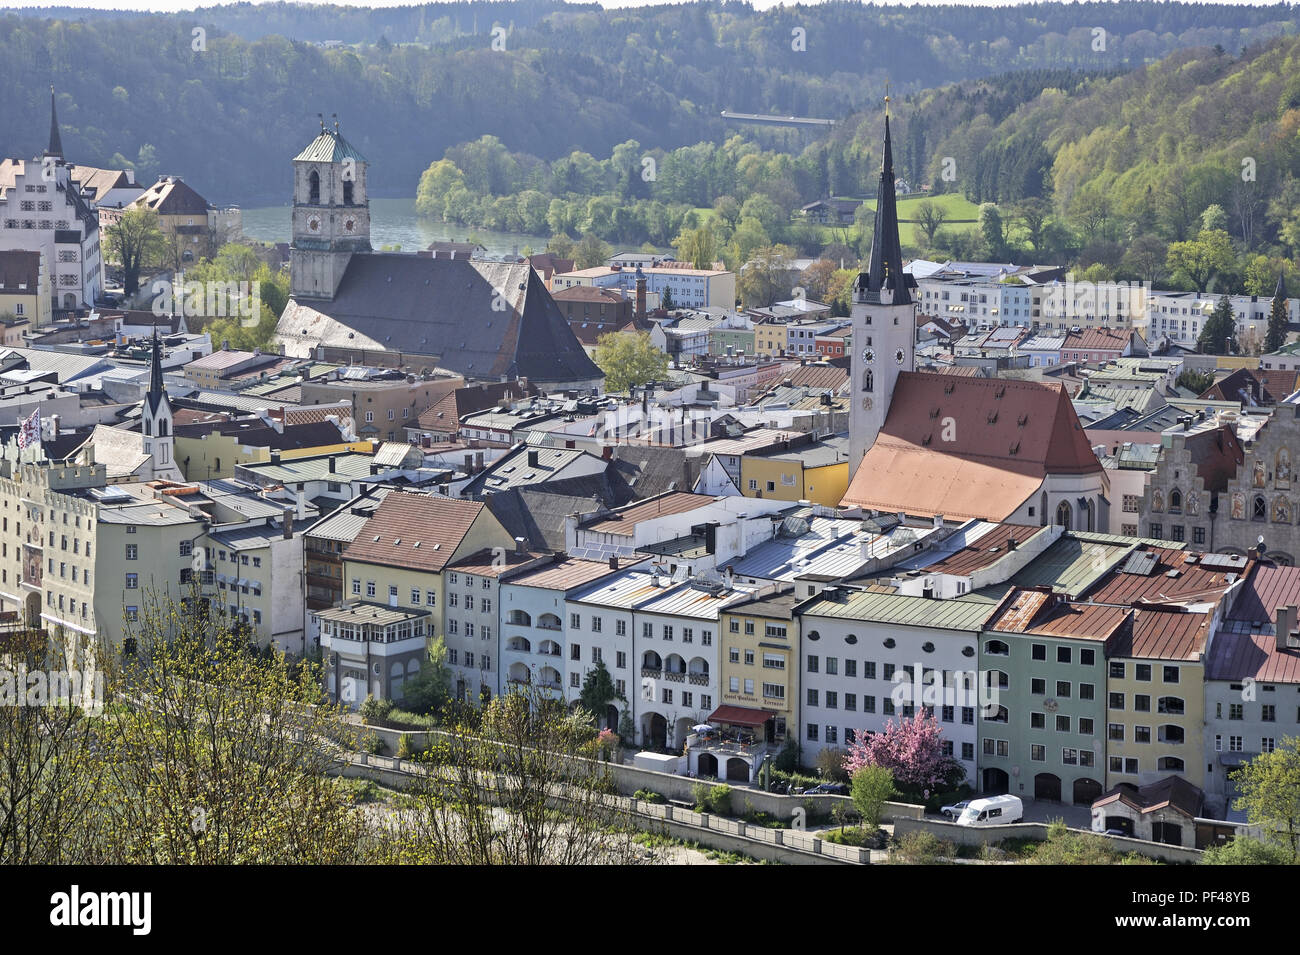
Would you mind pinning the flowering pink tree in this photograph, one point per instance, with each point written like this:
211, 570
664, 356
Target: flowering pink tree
911, 748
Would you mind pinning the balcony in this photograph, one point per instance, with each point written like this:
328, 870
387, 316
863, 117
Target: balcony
675, 677
698, 679
651, 671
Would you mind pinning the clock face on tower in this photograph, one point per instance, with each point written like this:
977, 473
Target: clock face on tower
868, 355
313, 223
349, 224
899, 356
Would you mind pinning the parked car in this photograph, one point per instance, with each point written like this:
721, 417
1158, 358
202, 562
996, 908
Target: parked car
1116, 832
955, 809
828, 789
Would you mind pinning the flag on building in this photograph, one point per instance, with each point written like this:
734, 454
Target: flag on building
30, 432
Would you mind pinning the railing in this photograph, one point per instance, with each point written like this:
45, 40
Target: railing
725, 746
698, 679
675, 676
651, 671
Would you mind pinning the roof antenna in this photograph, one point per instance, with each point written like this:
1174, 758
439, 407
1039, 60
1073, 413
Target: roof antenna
336, 121
321, 117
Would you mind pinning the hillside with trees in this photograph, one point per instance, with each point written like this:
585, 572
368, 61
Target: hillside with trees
228, 107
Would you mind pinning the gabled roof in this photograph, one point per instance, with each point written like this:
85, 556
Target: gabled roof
170, 196
1007, 436
415, 531
1040, 613
624, 520
1246, 386
1167, 575
485, 320
1171, 792
20, 271
1162, 633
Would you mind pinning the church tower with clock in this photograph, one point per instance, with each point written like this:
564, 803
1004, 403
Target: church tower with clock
884, 320
331, 214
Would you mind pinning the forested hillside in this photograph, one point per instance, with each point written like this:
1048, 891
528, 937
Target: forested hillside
410, 82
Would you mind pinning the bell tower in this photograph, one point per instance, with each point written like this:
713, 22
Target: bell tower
331, 214
884, 319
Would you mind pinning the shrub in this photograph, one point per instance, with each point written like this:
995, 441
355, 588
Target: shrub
372, 744
923, 848
712, 799
994, 854
375, 711
1245, 851
830, 765
404, 750
649, 795
787, 760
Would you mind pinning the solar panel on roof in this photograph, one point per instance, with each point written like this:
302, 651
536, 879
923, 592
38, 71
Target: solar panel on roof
1142, 563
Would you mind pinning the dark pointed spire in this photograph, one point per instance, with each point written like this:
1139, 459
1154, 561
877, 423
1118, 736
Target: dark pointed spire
56, 142
155, 393
1280, 291
885, 265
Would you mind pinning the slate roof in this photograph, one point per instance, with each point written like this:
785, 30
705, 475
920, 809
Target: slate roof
482, 319
20, 268
650, 471
1007, 437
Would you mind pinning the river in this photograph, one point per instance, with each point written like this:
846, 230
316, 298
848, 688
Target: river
394, 222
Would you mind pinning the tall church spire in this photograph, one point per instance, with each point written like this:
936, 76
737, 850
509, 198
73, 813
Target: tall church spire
155, 392
56, 142
885, 266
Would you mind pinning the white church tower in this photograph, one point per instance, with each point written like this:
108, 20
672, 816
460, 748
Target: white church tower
156, 421
331, 214
884, 320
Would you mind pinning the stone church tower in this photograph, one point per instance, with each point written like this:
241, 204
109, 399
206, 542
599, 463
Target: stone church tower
331, 214
884, 319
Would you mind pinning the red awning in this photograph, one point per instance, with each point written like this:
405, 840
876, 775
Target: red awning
739, 716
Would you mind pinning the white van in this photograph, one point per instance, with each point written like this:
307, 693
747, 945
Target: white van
993, 811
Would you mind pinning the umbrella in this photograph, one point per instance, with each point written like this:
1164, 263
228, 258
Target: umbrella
701, 728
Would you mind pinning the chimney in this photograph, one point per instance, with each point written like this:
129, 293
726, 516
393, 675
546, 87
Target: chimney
478, 461
469, 464
1011, 543
1282, 623
302, 503
519, 545
640, 296
331, 471
275, 457
532, 458
54, 426
613, 561
288, 523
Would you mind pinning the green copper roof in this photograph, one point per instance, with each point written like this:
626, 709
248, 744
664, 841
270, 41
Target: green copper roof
329, 146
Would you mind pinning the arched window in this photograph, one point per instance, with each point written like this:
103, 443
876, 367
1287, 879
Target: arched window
1175, 501
1064, 514
1170, 763
313, 182
1260, 509
347, 192
868, 380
